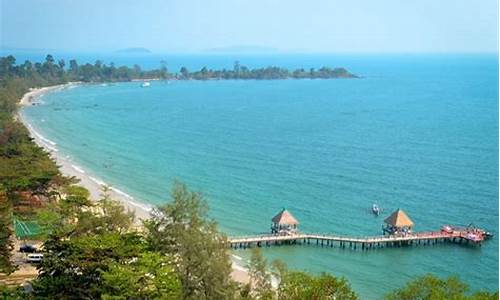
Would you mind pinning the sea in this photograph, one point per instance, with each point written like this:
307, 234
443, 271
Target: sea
417, 132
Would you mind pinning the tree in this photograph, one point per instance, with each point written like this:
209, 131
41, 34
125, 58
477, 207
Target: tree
73, 267
301, 285
181, 228
294, 285
163, 69
48, 66
73, 67
61, 64
259, 276
184, 72
49, 59
430, 287
236, 68
150, 276
113, 216
12, 293
7, 65
6, 244
84, 242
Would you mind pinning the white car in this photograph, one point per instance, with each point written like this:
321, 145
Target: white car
35, 257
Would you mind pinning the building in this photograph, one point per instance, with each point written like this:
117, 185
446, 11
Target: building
398, 223
284, 223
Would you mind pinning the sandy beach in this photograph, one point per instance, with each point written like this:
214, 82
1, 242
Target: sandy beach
68, 167
91, 183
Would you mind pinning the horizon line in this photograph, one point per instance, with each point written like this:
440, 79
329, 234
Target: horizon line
263, 53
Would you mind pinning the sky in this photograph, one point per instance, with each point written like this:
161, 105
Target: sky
322, 26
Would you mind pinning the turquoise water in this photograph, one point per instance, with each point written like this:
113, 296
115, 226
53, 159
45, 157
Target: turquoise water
417, 132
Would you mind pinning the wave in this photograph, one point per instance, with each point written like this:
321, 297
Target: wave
48, 144
79, 169
99, 182
131, 199
41, 137
237, 257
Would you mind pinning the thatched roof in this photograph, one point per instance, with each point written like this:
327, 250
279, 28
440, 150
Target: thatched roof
399, 219
285, 217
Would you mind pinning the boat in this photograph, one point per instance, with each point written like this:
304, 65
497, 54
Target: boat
488, 235
145, 84
375, 209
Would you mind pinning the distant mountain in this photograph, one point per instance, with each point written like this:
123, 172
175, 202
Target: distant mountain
134, 50
243, 49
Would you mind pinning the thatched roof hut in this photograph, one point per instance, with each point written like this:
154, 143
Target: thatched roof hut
284, 217
399, 219
284, 222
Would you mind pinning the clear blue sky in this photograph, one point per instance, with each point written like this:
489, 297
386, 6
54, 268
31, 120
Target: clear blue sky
288, 25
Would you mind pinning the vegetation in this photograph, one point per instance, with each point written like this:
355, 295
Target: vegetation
294, 285
429, 287
6, 245
95, 250
181, 229
242, 72
52, 72
26, 171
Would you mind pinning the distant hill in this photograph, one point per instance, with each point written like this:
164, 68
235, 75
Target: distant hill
243, 49
134, 50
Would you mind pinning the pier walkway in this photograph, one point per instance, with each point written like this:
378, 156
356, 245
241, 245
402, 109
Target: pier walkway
464, 235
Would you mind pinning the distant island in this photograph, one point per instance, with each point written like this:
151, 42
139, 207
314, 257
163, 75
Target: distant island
134, 50
59, 71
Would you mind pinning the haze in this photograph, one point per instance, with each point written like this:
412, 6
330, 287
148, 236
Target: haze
287, 26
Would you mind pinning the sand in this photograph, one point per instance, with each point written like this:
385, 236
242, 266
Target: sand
68, 168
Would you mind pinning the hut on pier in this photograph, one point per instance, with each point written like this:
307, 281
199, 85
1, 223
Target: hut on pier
284, 223
398, 223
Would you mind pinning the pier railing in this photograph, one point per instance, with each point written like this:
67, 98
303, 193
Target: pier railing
426, 237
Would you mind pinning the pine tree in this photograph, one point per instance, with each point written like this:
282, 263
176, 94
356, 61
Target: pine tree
181, 228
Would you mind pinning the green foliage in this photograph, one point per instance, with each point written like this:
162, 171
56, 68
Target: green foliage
12, 293
6, 245
294, 285
301, 285
484, 296
242, 72
113, 217
48, 218
85, 241
430, 287
150, 276
181, 229
73, 267
259, 276
23, 165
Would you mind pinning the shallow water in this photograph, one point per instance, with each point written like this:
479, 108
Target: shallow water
417, 132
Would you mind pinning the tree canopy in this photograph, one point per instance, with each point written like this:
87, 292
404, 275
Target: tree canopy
181, 229
430, 287
49, 72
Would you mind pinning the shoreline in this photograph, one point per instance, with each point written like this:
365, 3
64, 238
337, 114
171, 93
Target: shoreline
92, 184
67, 166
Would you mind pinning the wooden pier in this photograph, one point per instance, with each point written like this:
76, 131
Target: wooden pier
284, 232
364, 243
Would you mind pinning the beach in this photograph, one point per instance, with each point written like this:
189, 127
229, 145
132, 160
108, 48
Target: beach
324, 149
68, 167
91, 183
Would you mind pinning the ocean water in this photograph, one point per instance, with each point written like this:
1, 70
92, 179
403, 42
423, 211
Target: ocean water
417, 132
